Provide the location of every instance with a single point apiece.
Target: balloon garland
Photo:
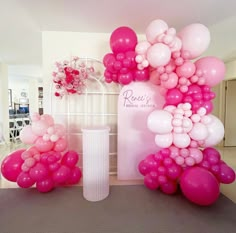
(47, 163)
(185, 130)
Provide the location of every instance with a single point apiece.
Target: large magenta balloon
(199, 186)
(11, 165)
(123, 39)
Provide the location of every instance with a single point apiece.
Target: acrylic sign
(136, 101)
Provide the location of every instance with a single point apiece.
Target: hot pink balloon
(123, 39)
(38, 172)
(169, 187)
(199, 186)
(227, 174)
(45, 185)
(213, 70)
(174, 96)
(150, 182)
(11, 165)
(61, 175)
(70, 158)
(24, 180)
(141, 75)
(75, 176)
(126, 78)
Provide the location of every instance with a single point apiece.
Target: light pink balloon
(215, 132)
(27, 136)
(154, 29)
(43, 146)
(181, 140)
(142, 47)
(48, 118)
(196, 154)
(40, 127)
(159, 121)
(60, 145)
(158, 55)
(198, 132)
(195, 39)
(213, 70)
(164, 140)
(155, 77)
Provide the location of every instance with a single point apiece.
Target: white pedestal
(95, 163)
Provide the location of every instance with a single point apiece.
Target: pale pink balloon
(215, 132)
(142, 47)
(195, 39)
(213, 70)
(40, 127)
(154, 29)
(181, 140)
(43, 146)
(177, 45)
(48, 118)
(164, 140)
(27, 136)
(189, 161)
(159, 121)
(198, 132)
(158, 55)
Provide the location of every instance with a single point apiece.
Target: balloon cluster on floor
(185, 130)
(47, 163)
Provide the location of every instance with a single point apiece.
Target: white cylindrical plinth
(95, 163)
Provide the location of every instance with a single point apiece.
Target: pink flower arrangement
(70, 77)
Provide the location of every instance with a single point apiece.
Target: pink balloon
(150, 182)
(213, 70)
(126, 78)
(43, 146)
(211, 155)
(174, 171)
(70, 159)
(38, 172)
(40, 127)
(174, 97)
(75, 176)
(141, 75)
(155, 77)
(181, 140)
(60, 145)
(107, 58)
(158, 55)
(11, 165)
(195, 39)
(227, 174)
(143, 168)
(154, 29)
(27, 136)
(123, 39)
(24, 180)
(45, 185)
(48, 118)
(199, 186)
(186, 70)
(142, 47)
(171, 82)
(164, 140)
(169, 187)
(61, 175)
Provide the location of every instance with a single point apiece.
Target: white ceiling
(22, 21)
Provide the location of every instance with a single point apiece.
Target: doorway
(230, 113)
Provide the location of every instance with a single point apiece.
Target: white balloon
(181, 140)
(198, 132)
(154, 29)
(158, 55)
(215, 132)
(195, 39)
(159, 121)
(164, 140)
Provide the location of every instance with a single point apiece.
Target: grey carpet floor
(128, 209)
